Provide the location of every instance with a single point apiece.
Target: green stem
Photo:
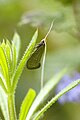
(11, 107)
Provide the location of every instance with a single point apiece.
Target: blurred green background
(63, 43)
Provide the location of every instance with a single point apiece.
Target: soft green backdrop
(63, 43)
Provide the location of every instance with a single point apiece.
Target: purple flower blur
(74, 94)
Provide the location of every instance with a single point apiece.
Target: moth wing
(34, 60)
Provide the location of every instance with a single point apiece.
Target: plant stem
(11, 107)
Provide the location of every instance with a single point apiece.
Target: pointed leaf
(14, 59)
(54, 99)
(8, 51)
(8, 55)
(26, 104)
(16, 41)
(22, 63)
(4, 65)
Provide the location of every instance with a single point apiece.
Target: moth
(34, 61)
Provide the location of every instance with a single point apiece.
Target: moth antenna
(49, 30)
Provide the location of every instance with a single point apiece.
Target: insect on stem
(34, 61)
(44, 56)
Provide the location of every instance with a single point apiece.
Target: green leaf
(23, 61)
(8, 50)
(14, 59)
(54, 99)
(45, 92)
(8, 55)
(2, 81)
(16, 41)
(4, 66)
(3, 104)
(3, 85)
(26, 104)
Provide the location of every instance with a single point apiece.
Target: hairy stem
(11, 107)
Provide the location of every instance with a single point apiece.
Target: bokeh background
(63, 44)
